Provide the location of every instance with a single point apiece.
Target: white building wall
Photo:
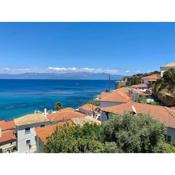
(22, 137)
(39, 145)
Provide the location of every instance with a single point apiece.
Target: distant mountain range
(61, 76)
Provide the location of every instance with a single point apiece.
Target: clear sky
(124, 47)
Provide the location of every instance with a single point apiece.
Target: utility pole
(109, 82)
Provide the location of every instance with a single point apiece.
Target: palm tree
(58, 106)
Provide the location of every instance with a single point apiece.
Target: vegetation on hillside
(164, 89)
(137, 78)
(120, 134)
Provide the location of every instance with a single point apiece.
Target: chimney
(0, 132)
(134, 110)
(45, 112)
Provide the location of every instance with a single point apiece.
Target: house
(42, 134)
(25, 128)
(90, 110)
(115, 97)
(166, 67)
(64, 114)
(141, 87)
(162, 114)
(149, 80)
(136, 94)
(7, 137)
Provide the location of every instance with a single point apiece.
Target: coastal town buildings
(162, 114)
(25, 130)
(113, 98)
(140, 87)
(7, 137)
(166, 67)
(42, 134)
(90, 110)
(149, 80)
(64, 115)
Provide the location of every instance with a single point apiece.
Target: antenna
(134, 109)
(109, 82)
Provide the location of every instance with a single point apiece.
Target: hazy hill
(65, 76)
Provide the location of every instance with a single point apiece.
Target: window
(27, 142)
(168, 139)
(27, 130)
(42, 125)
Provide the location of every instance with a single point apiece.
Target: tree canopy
(126, 133)
(58, 106)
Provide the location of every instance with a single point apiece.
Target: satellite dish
(134, 109)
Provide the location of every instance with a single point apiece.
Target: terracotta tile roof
(123, 89)
(88, 107)
(104, 94)
(153, 77)
(115, 96)
(31, 119)
(163, 114)
(140, 86)
(44, 132)
(7, 136)
(7, 125)
(65, 114)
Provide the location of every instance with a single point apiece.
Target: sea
(21, 97)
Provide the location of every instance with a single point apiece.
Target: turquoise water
(20, 97)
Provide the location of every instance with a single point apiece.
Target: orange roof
(44, 132)
(153, 77)
(115, 96)
(123, 89)
(7, 125)
(104, 94)
(7, 136)
(88, 107)
(163, 114)
(140, 86)
(64, 114)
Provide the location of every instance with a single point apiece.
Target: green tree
(58, 106)
(135, 133)
(169, 76)
(75, 139)
(125, 133)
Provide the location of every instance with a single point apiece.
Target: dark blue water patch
(20, 97)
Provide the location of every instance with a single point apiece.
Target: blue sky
(122, 48)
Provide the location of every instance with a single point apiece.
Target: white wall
(22, 147)
(107, 104)
(39, 145)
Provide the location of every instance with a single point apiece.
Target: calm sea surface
(20, 97)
